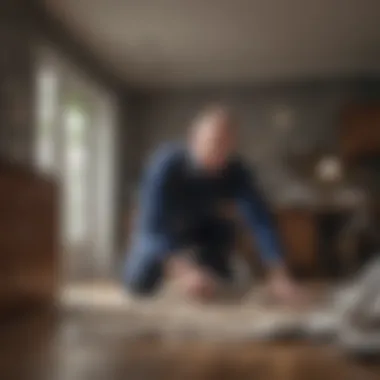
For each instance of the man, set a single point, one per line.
(181, 229)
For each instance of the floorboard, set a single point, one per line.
(49, 346)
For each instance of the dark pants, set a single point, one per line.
(210, 242)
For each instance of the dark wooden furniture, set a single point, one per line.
(299, 235)
(28, 238)
(360, 131)
(360, 152)
(313, 242)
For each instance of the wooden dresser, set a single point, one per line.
(299, 236)
(28, 238)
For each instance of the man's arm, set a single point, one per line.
(155, 201)
(256, 212)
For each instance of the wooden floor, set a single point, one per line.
(45, 346)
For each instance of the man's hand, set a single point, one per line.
(284, 289)
(199, 285)
(193, 280)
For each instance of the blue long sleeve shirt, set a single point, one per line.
(176, 193)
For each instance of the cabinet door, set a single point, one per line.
(360, 131)
(28, 242)
(298, 233)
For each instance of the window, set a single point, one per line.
(75, 143)
(47, 101)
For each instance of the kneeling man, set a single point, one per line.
(181, 232)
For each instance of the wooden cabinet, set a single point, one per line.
(28, 238)
(360, 131)
(299, 236)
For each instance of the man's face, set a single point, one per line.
(214, 142)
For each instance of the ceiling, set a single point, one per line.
(190, 42)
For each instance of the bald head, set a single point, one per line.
(213, 138)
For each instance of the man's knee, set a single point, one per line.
(142, 277)
(140, 286)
